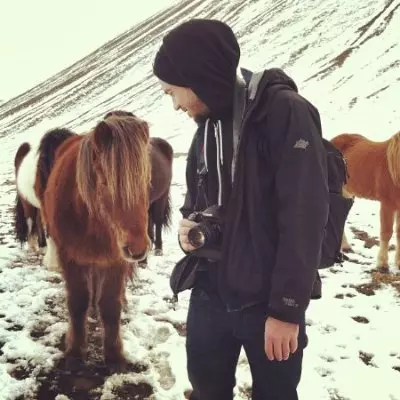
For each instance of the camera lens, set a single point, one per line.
(196, 237)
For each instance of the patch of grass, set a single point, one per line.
(366, 358)
(361, 320)
(378, 281)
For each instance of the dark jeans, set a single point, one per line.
(214, 341)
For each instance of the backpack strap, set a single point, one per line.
(239, 107)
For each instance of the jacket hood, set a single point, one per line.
(203, 55)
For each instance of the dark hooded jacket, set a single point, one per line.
(277, 209)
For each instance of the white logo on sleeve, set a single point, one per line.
(301, 144)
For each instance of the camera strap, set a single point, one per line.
(239, 107)
(202, 163)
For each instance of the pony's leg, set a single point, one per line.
(397, 256)
(78, 298)
(32, 238)
(158, 217)
(129, 275)
(150, 232)
(110, 305)
(346, 248)
(30, 215)
(387, 220)
(150, 226)
(158, 242)
(51, 259)
(41, 233)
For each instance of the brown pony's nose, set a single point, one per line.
(130, 256)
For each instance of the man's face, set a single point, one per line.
(186, 100)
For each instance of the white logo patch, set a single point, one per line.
(301, 144)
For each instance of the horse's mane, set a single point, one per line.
(114, 154)
(393, 158)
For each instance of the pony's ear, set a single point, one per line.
(119, 113)
(102, 135)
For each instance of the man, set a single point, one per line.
(263, 163)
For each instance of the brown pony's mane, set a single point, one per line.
(393, 158)
(118, 147)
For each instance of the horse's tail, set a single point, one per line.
(168, 152)
(21, 228)
(49, 143)
(166, 221)
(21, 153)
(346, 140)
(393, 158)
(20, 224)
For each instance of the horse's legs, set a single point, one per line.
(129, 275)
(30, 213)
(387, 220)
(150, 226)
(40, 231)
(110, 304)
(78, 296)
(158, 243)
(158, 216)
(345, 247)
(150, 232)
(51, 258)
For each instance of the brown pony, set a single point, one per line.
(161, 156)
(32, 162)
(95, 210)
(374, 173)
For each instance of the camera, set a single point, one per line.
(207, 233)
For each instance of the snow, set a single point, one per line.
(353, 350)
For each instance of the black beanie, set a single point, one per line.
(203, 55)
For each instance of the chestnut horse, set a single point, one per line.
(161, 157)
(95, 211)
(374, 174)
(32, 163)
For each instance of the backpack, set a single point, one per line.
(339, 206)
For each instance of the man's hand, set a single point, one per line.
(280, 339)
(184, 227)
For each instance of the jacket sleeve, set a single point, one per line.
(302, 202)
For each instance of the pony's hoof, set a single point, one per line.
(117, 367)
(74, 364)
(49, 265)
(54, 269)
(158, 252)
(33, 250)
(383, 269)
(345, 257)
(347, 250)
